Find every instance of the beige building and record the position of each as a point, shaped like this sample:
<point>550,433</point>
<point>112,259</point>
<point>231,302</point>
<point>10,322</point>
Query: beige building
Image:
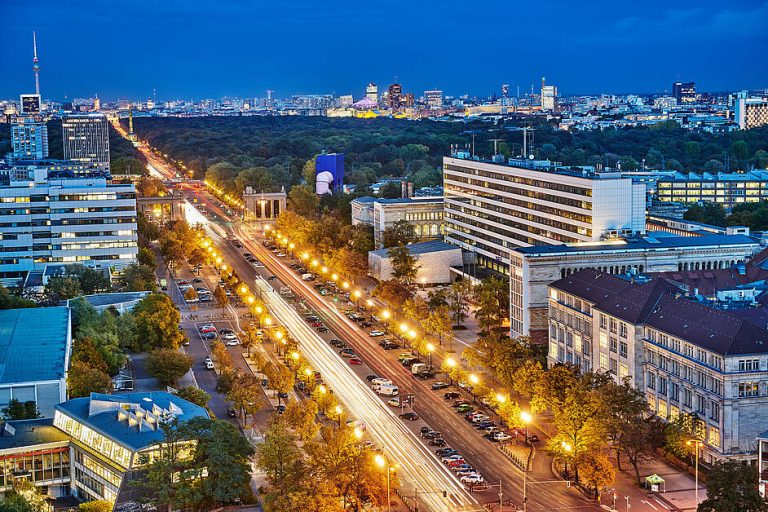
<point>263,206</point>
<point>434,262</point>
<point>423,214</point>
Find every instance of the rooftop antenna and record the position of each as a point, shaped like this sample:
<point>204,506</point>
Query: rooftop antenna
<point>35,64</point>
<point>495,145</point>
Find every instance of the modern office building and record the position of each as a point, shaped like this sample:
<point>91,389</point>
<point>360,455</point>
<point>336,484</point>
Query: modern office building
<point>750,112</point>
<point>394,97</point>
<point>35,344</point>
<point>493,208</point>
<point>111,436</point>
<point>687,356</point>
<point>61,217</point>
<point>433,259</point>
<point>533,269</point>
<point>684,92</point>
<point>423,214</point>
<point>434,98</point>
<point>29,138</point>
<point>548,97</point>
<point>372,92</point>
<point>728,189</point>
<point>86,138</point>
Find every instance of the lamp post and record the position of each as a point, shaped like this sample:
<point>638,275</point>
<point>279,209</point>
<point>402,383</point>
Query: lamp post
<point>357,294</point>
<point>259,311</point>
<point>567,448</point>
<point>526,418</point>
<point>384,464</point>
<point>386,315</point>
<point>474,380</point>
<point>696,443</point>
<point>430,349</point>
<point>451,364</point>
<point>338,410</point>
<point>369,303</point>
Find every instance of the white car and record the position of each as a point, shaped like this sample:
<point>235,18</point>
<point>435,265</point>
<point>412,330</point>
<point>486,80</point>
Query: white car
<point>450,458</point>
<point>501,437</point>
<point>258,264</point>
<point>280,255</point>
<point>207,326</point>
<point>472,479</point>
<point>209,363</point>
<point>393,402</point>
<point>376,333</point>
<point>233,342</point>
<point>229,336</point>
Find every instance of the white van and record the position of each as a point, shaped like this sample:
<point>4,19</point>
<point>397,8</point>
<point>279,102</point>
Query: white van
<point>388,390</point>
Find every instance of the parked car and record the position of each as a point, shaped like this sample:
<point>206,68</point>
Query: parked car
<point>436,386</point>
<point>460,402</point>
<point>322,329</point>
<point>465,408</point>
<point>452,395</point>
<point>355,361</point>
<point>209,335</point>
<point>410,416</point>
<point>432,434</point>
<point>472,479</point>
<point>371,377</point>
<point>394,402</point>
<point>438,441</point>
<point>233,342</point>
<point>376,333</point>
<point>209,364</point>
<point>231,413</point>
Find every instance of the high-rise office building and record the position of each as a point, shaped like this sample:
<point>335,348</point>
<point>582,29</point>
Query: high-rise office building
<point>750,112</point>
<point>408,100</point>
<point>434,98</point>
<point>394,98</point>
<point>30,104</point>
<point>29,138</point>
<point>372,92</point>
<point>64,217</point>
<point>548,97</point>
<point>684,92</point>
<point>86,139</point>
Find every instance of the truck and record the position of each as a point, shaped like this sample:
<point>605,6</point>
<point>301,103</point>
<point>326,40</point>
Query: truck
<point>418,368</point>
<point>388,390</point>
<point>307,277</point>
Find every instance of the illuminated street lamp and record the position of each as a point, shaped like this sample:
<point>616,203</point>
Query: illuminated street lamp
<point>567,448</point>
<point>334,277</point>
<point>430,349</point>
<point>259,311</point>
<point>474,380</point>
<point>526,418</point>
<point>697,444</point>
<point>345,285</point>
<point>305,256</point>
<point>384,464</point>
<point>451,364</point>
<point>338,410</point>
<point>324,270</point>
<point>357,294</point>
<point>314,263</point>
<point>403,327</point>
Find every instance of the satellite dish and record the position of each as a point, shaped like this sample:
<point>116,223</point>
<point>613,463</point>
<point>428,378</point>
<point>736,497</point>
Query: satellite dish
<point>530,157</point>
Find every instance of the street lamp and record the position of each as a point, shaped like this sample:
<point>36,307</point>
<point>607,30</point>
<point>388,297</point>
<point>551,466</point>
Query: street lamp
<point>338,410</point>
<point>369,303</point>
<point>259,311</point>
<point>404,327</point>
<point>567,448</point>
<point>430,349</point>
<point>451,364</point>
<point>696,443</point>
<point>295,356</point>
<point>526,417</point>
<point>500,398</point>
<point>384,464</point>
<point>357,294</point>
<point>474,380</point>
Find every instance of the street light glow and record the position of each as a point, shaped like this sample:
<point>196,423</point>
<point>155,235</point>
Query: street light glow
<point>526,417</point>
<point>386,314</point>
<point>430,347</point>
<point>404,327</point>
<point>451,362</point>
<point>380,461</point>
<point>474,379</point>
<point>500,398</point>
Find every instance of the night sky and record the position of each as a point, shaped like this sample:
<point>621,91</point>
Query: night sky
<point>215,48</point>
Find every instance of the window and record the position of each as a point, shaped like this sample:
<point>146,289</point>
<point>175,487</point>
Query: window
<point>614,366</point>
<point>603,341</point>
<point>687,397</point>
<point>623,330</point>
<point>747,389</point>
<point>749,365</point>
<point>623,349</point>
<point>651,380</point>
<point>577,345</point>
<point>623,370</point>
<point>701,403</point>
<point>613,326</point>
<point>674,391</point>
<point>662,386</point>
<point>652,358</point>
<point>662,409</point>
<point>552,349</point>
<point>552,332</point>
<point>714,436</point>
<point>568,339</point>
<point>603,321</point>
<point>614,345</point>
<point>714,410</point>
<point>603,362</point>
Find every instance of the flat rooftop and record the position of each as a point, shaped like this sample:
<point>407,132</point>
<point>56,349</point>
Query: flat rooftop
<point>108,299</point>
<point>31,433</point>
<point>639,243</point>
<point>421,248</point>
<point>33,344</point>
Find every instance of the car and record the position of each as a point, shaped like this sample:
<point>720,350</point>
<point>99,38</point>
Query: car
<point>226,331</point>
<point>477,418</point>
<point>472,479</point>
<point>209,364</point>
<point>206,298</point>
<point>460,468</point>
<point>192,299</point>
<point>410,362</point>
<point>393,402</point>
<point>366,325</point>
<point>491,429</point>
<point>451,395</point>
<point>460,472</point>
<point>388,345</point>
<point>460,402</point>
<point>485,424</point>
<point>337,343</point>
<point>410,416</point>
<point>280,409</point>
<point>444,452</point>
<point>231,413</point>
<point>371,377</point>
<point>465,408</point>
<point>432,434</point>
<point>182,283</point>
<point>459,463</point>
<point>209,335</point>
<point>438,441</point>
<point>282,394</point>
<point>533,438</point>
<point>403,355</point>
<point>376,334</point>
<point>247,255</point>
<point>322,329</point>
<point>208,328</point>
<point>197,280</point>
<point>448,458</point>
<point>345,352</point>
<point>280,255</point>
<point>436,386</point>
<point>271,278</point>
<point>202,290</point>
<point>227,336</point>
<point>355,361</point>
<point>258,264</point>
<point>500,437</point>
<point>233,342</point>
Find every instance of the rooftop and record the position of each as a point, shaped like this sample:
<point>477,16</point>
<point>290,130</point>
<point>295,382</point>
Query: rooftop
<point>421,248</point>
<point>638,243</point>
<point>30,433</point>
<point>131,418</point>
<point>107,299</point>
<point>33,344</point>
<point>756,175</point>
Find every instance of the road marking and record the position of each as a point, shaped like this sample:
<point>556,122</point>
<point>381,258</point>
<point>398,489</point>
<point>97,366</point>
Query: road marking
<point>649,504</point>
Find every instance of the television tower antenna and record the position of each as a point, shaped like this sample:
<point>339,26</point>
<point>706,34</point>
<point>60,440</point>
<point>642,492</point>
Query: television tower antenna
<point>35,64</point>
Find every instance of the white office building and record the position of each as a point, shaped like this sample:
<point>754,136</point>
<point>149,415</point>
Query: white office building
<point>59,217</point>
<point>86,138</point>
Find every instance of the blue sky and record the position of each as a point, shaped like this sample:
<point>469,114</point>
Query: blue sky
<point>191,48</point>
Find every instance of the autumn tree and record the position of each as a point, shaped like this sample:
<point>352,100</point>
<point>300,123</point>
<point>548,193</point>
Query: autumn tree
<point>138,278</point>
<point>491,297</point>
<point>458,301</point>
<point>303,200</point>
<point>301,415</point>
<point>157,323</point>
<point>279,456</point>
<point>438,322</point>
<point>732,486</point>
<point>416,309</point>
<point>194,394</point>
<point>393,292</point>
<point>597,472</point>
<point>168,365</point>
<point>404,264</point>
<point>220,295</point>
<point>82,380</point>
<point>246,395</point>
<point>400,233</point>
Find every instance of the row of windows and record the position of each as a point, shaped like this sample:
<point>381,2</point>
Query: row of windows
<point>710,434</point>
<point>424,215</point>
<point>70,222</point>
<point>712,184</point>
<point>687,349</point>
<point>61,211</point>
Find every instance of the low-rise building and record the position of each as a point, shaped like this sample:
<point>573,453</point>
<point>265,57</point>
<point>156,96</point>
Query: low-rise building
<point>35,346</point>
<point>688,356</point>
<point>534,268</point>
<point>433,259</point>
<point>423,214</point>
<point>727,189</point>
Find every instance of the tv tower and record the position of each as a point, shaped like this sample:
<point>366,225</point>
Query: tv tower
<point>35,65</point>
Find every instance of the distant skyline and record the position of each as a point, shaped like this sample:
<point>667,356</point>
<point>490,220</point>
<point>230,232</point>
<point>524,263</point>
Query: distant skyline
<point>204,49</point>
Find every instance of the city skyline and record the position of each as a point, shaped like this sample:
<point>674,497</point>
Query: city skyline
<point>193,50</point>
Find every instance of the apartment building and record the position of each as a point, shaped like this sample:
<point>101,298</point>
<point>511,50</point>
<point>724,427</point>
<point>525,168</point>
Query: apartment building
<point>86,138</point>
<point>493,208</point>
<point>61,217</point>
<point>686,355</point>
<point>532,269</point>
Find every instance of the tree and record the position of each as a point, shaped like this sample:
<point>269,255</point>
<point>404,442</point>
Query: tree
<point>404,264</point>
<point>278,456</point>
<point>301,416</point>
<point>138,278</point>
<point>393,292</point>
<point>680,431</point>
<point>168,365</point>
<point>246,395</point>
<point>707,213</point>
<point>491,297</point>
<point>190,294</point>
<point>91,280</point>
<point>281,378</point>
<point>258,178</point>
<point>157,323</point>
<point>221,355</point>
<point>400,233</point>
<point>303,200</point>
<point>221,296</point>
<point>416,309</point>
<point>391,190</point>
<point>309,172</point>
<point>458,296</point>
<point>16,410</point>
<point>61,288</point>
<point>732,486</point>
<point>84,350</point>
<point>438,322</point>
<point>146,257</point>
<point>250,338</point>
<point>347,262</point>
<point>195,395</point>
<point>10,301</point>
<point>597,471</point>
<point>24,497</point>
<point>713,166</point>
<point>82,380</point>
<point>95,506</point>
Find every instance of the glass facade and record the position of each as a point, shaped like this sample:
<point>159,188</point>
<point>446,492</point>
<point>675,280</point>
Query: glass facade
<point>41,467</point>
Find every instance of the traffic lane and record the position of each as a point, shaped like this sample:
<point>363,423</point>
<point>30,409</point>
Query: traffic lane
<point>488,460</point>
